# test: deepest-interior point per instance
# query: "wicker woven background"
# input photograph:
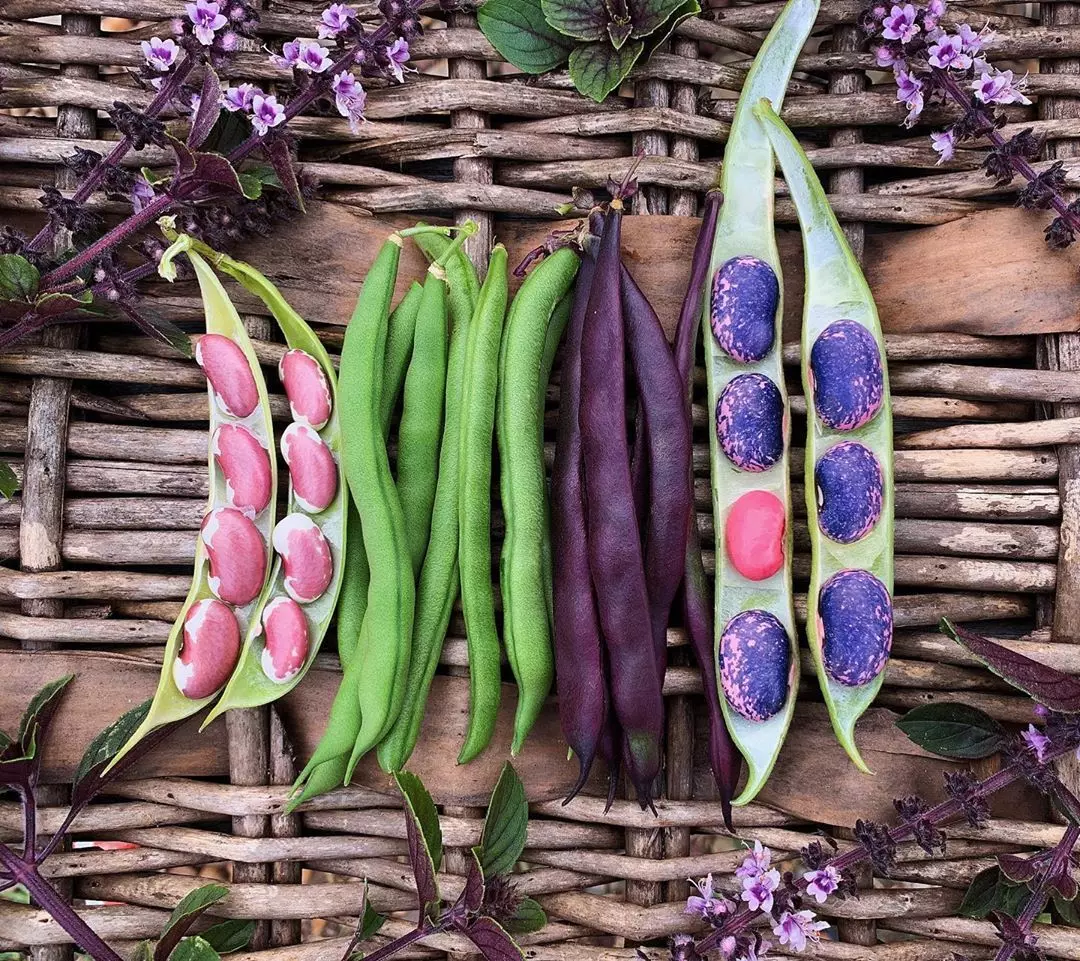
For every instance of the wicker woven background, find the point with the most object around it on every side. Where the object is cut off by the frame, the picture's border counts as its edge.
(98, 544)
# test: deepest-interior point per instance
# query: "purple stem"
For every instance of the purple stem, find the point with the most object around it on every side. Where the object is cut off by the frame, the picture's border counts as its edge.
(29, 806)
(393, 947)
(94, 177)
(988, 130)
(50, 900)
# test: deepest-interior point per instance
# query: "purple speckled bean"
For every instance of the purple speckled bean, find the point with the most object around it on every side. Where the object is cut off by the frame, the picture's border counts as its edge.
(755, 661)
(745, 295)
(850, 488)
(751, 422)
(855, 624)
(846, 375)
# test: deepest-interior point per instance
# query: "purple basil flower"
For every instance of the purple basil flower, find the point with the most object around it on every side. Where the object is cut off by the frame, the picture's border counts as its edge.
(886, 56)
(757, 892)
(710, 904)
(909, 91)
(266, 112)
(206, 18)
(798, 929)
(289, 56)
(349, 97)
(900, 24)
(997, 87)
(313, 57)
(141, 194)
(820, 884)
(239, 99)
(756, 863)
(973, 42)
(1037, 742)
(160, 54)
(935, 10)
(944, 143)
(335, 19)
(948, 54)
(398, 54)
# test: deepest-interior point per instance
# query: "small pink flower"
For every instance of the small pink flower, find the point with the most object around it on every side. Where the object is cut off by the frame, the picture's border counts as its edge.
(289, 57)
(1037, 742)
(335, 19)
(756, 863)
(948, 54)
(349, 97)
(909, 91)
(708, 902)
(998, 87)
(313, 57)
(758, 891)
(900, 24)
(798, 929)
(160, 54)
(973, 42)
(398, 55)
(944, 142)
(206, 18)
(239, 99)
(266, 112)
(820, 884)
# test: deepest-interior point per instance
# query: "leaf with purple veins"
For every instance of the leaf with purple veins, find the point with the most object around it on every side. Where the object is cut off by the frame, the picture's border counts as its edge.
(472, 895)
(280, 157)
(209, 110)
(492, 941)
(425, 840)
(1050, 687)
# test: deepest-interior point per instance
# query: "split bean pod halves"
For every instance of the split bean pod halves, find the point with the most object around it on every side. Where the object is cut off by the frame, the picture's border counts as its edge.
(756, 645)
(848, 454)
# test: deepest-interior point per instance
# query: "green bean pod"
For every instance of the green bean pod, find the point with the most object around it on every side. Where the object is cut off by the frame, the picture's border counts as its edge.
(463, 286)
(169, 703)
(399, 346)
(479, 390)
(375, 677)
(524, 567)
(756, 644)
(848, 454)
(437, 588)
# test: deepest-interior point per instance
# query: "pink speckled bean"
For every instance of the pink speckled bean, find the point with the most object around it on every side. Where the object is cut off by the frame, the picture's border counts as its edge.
(312, 468)
(226, 367)
(308, 391)
(246, 466)
(210, 649)
(287, 639)
(237, 555)
(306, 557)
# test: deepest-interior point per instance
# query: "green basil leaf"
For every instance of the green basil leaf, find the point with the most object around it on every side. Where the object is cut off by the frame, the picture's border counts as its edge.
(580, 19)
(991, 891)
(518, 30)
(503, 838)
(953, 730)
(229, 936)
(19, 278)
(598, 68)
(194, 949)
(9, 482)
(529, 917)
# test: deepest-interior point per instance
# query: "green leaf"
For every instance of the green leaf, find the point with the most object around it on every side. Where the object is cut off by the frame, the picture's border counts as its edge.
(425, 840)
(597, 68)
(229, 936)
(194, 949)
(580, 19)
(419, 800)
(648, 16)
(530, 917)
(39, 713)
(686, 9)
(518, 30)
(18, 278)
(17, 894)
(1067, 911)
(251, 184)
(144, 951)
(991, 891)
(103, 747)
(367, 924)
(953, 730)
(9, 483)
(184, 915)
(503, 838)
(153, 178)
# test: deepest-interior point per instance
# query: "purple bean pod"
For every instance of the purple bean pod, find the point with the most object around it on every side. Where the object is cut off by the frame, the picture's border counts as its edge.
(666, 432)
(579, 667)
(615, 555)
(724, 757)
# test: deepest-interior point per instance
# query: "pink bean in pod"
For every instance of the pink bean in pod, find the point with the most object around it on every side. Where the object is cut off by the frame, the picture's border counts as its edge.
(287, 643)
(305, 385)
(246, 466)
(227, 369)
(237, 554)
(306, 556)
(312, 468)
(754, 535)
(210, 649)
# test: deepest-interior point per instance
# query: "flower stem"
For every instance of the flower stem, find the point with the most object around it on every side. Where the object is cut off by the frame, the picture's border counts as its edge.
(399, 944)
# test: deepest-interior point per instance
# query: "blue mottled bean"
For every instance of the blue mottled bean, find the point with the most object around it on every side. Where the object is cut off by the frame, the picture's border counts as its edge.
(850, 485)
(750, 422)
(742, 313)
(855, 623)
(755, 661)
(846, 375)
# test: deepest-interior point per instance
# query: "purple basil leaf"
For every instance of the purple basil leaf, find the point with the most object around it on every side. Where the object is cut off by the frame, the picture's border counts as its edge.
(185, 159)
(280, 157)
(185, 914)
(647, 16)
(1066, 802)
(153, 324)
(214, 174)
(425, 840)
(492, 941)
(54, 305)
(472, 895)
(1048, 686)
(1016, 868)
(1065, 884)
(580, 19)
(1010, 928)
(209, 110)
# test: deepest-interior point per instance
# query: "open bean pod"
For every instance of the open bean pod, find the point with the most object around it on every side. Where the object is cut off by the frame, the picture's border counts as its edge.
(848, 453)
(232, 555)
(756, 642)
(295, 610)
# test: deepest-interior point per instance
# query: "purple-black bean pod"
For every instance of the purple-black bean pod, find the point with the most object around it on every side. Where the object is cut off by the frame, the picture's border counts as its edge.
(850, 488)
(855, 623)
(742, 313)
(846, 375)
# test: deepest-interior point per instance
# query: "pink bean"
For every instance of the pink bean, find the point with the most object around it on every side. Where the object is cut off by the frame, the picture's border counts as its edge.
(754, 535)
(306, 386)
(237, 555)
(306, 557)
(287, 640)
(312, 468)
(210, 649)
(246, 466)
(226, 367)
